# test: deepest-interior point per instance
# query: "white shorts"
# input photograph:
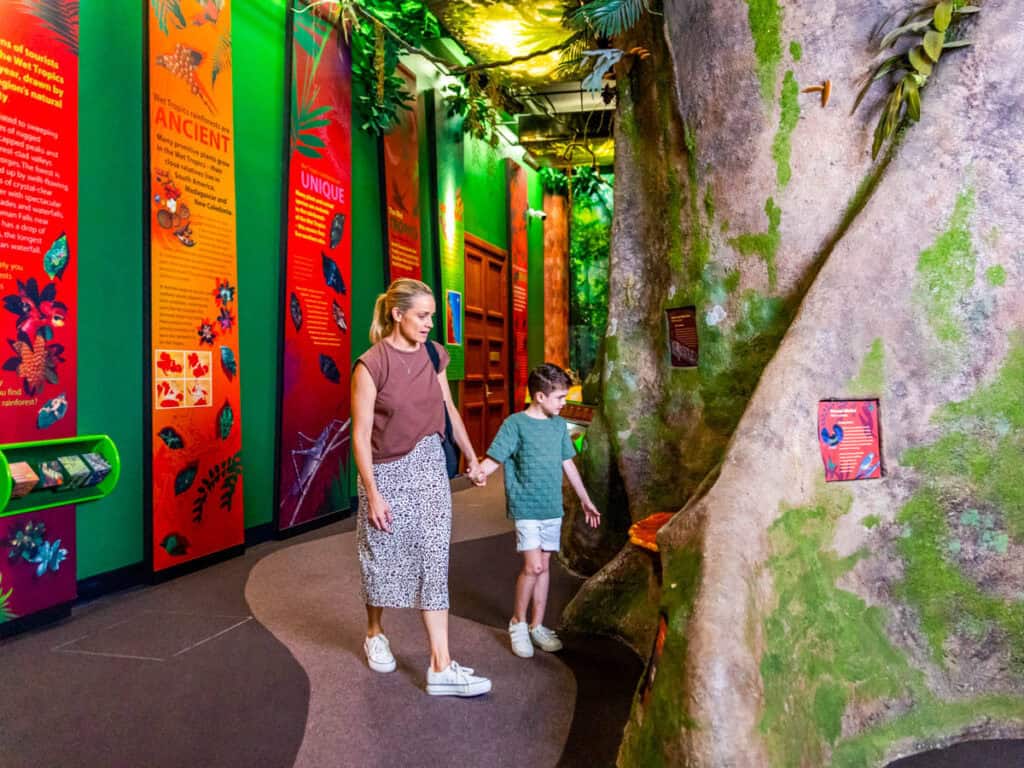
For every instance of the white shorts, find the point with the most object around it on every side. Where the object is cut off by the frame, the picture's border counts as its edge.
(539, 534)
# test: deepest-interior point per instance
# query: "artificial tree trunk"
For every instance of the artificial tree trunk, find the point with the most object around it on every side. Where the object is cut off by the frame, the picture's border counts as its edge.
(807, 625)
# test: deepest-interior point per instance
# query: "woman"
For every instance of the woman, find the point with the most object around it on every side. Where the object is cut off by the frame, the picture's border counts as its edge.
(405, 503)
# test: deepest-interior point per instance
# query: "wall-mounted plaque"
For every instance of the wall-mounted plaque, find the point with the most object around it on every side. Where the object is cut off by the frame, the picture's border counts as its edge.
(849, 439)
(682, 336)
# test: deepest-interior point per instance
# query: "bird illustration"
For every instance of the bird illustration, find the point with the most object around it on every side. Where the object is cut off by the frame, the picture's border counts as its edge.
(832, 439)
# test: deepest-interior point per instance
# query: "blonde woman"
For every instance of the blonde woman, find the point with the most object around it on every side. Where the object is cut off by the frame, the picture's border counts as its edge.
(405, 504)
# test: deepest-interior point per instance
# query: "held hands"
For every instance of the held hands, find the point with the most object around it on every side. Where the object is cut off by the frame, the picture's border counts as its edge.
(591, 513)
(379, 513)
(476, 473)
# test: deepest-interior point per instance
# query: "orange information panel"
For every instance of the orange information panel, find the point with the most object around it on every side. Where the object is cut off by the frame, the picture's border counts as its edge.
(196, 437)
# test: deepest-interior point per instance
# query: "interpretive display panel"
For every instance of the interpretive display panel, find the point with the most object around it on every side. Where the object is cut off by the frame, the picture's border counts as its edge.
(849, 439)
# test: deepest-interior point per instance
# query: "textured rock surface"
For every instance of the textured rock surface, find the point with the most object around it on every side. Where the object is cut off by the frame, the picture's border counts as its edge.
(813, 625)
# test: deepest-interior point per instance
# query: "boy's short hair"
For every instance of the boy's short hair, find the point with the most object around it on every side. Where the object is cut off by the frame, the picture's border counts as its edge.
(546, 378)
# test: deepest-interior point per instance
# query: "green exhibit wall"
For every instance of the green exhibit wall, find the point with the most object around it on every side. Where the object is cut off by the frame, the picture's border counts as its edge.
(535, 273)
(258, 71)
(111, 387)
(110, 261)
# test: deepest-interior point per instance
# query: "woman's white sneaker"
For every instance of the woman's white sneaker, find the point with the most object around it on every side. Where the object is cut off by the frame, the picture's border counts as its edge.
(456, 681)
(519, 634)
(378, 654)
(545, 639)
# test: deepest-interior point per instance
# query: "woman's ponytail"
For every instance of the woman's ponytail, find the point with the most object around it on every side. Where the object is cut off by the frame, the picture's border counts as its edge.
(382, 322)
(401, 294)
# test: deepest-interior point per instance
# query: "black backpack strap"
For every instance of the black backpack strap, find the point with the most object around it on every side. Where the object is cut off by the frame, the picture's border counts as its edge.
(434, 357)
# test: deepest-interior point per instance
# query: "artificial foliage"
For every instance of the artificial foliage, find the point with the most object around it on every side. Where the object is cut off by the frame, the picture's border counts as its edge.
(931, 32)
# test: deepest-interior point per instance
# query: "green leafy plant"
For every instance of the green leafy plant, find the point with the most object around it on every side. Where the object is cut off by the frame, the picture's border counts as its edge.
(380, 94)
(911, 68)
(607, 18)
(479, 104)
(554, 180)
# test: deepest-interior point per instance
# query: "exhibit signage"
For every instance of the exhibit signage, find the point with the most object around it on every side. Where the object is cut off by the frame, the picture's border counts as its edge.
(316, 349)
(451, 229)
(194, 382)
(682, 336)
(39, 289)
(402, 188)
(849, 439)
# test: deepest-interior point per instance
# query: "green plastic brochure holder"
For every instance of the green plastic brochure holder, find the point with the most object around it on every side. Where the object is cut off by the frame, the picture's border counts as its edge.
(46, 450)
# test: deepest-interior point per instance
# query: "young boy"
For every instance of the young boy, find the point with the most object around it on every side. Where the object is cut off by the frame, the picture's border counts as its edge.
(535, 448)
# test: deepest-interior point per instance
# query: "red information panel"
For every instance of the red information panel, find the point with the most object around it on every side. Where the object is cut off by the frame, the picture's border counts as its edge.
(849, 440)
(38, 285)
(314, 430)
(195, 382)
(519, 252)
(402, 188)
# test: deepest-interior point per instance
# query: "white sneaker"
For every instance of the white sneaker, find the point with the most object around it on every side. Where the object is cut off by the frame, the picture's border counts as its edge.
(520, 635)
(456, 681)
(378, 654)
(545, 639)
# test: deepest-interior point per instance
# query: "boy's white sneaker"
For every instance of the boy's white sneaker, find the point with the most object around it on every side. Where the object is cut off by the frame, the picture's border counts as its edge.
(454, 680)
(545, 639)
(378, 654)
(519, 633)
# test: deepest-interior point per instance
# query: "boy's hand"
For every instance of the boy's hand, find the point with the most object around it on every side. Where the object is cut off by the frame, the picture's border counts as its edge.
(476, 473)
(591, 514)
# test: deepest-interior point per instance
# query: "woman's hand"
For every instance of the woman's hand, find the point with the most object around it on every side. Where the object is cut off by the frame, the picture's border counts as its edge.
(379, 513)
(476, 473)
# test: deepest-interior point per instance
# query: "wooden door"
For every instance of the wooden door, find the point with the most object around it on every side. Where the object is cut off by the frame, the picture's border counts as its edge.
(484, 398)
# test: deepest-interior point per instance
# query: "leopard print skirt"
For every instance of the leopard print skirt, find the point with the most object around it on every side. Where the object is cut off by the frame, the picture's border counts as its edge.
(408, 568)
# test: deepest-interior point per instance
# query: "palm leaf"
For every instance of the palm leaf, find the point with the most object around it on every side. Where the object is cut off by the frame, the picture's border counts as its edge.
(59, 16)
(221, 57)
(609, 18)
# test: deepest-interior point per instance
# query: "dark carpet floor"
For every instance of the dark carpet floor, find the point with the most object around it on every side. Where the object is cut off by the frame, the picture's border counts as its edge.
(181, 675)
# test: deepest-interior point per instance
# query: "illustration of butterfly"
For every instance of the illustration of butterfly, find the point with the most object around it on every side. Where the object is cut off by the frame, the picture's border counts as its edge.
(49, 555)
(832, 439)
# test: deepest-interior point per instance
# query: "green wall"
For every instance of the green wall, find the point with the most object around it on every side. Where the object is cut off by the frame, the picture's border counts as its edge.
(112, 125)
(110, 274)
(484, 193)
(535, 273)
(258, 72)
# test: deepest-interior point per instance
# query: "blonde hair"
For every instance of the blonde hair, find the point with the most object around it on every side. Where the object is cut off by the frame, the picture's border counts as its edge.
(401, 294)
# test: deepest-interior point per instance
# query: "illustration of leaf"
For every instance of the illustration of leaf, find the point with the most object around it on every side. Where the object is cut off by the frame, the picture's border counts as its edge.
(59, 16)
(312, 140)
(56, 259)
(225, 420)
(295, 308)
(337, 229)
(339, 316)
(185, 478)
(329, 369)
(332, 275)
(228, 362)
(171, 438)
(302, 150)
(175, 544)
(221, 58)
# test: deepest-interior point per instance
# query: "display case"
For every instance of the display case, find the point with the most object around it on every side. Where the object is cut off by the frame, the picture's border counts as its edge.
(56, 473)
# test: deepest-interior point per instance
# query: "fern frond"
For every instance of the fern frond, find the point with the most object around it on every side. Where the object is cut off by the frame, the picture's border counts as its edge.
(59, 16)
(221, 57)
(609, 18)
